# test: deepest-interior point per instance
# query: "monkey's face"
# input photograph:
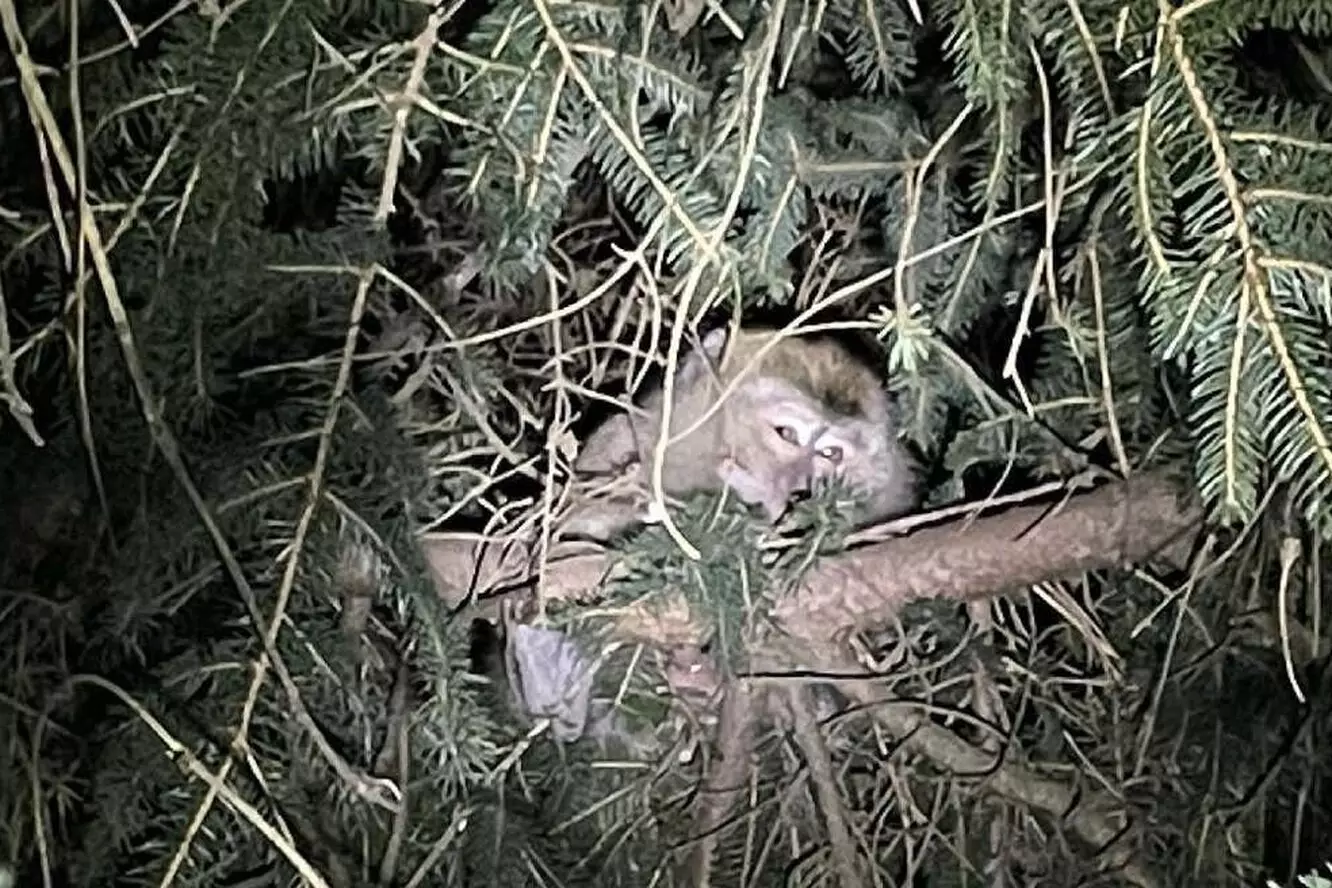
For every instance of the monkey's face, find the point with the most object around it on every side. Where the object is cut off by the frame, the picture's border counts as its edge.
(782, 442)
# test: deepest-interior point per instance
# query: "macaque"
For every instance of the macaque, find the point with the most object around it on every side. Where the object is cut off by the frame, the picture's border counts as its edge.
(803, 410)
(790, 411)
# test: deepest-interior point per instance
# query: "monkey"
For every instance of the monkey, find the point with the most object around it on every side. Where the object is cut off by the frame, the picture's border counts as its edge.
(789, 412)
(802, 409)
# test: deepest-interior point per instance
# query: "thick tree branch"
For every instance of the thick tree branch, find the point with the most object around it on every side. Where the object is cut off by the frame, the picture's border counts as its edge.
(964, 559)
(1112, 526)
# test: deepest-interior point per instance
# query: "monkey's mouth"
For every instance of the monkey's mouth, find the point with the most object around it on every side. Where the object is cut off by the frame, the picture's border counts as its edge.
(772, 494)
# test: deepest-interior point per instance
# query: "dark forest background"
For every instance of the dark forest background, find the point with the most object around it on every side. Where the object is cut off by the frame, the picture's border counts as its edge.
(285, 283)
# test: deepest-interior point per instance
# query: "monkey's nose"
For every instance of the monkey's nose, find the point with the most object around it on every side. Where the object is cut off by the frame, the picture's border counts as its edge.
(803, 488)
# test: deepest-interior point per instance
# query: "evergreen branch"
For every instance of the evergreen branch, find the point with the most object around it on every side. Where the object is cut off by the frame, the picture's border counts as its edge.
(983, 39)
(166, 441)
(556, 39)
(877, 44)
(671, 83)
(912, 213)
(274, 625)
(403, 103)
(1254, 283)
(185, 759)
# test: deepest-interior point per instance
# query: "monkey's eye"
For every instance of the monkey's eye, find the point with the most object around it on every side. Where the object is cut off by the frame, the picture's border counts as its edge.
(786, 433)
(831, 454)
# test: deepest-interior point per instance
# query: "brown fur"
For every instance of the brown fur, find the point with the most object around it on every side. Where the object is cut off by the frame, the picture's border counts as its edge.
(813, 381)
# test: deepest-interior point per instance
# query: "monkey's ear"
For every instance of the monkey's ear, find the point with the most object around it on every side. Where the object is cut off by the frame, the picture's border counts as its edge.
(702, 360)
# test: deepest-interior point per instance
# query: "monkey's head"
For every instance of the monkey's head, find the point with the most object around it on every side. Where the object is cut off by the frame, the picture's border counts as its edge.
(804, 410)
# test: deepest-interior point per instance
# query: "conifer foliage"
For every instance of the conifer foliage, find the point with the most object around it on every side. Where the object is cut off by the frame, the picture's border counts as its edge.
(286, 283)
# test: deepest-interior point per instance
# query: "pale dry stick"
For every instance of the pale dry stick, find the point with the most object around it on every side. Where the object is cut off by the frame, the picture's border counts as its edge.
(1142, 163)
(539, 320)
(1270, 263)
(1168, 598)
(478, 416)
(778, 210)
(19, 408)
(288, 580)
(517, 95)
(833, 257)
(562, 412)
(181, 755)
(543, 137)
(1053, 200)
(1103, 361)
(1164, 674)
(913, 210)
(363, 74)
(798, 34)
(461, 813)
(127, 218)
(78, 292)
(362, 68)
(993, 182)
(1310, 145)
(655, 319)
(1045, 258)
(113, 49)
(634, 349)
(1290, 554)
(483, 67)
(475, 493)
(206, 803)
(293, 552)
(1093, 54)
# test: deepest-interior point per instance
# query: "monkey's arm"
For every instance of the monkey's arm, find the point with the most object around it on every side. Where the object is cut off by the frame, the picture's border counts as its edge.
(601, 519)
(597, 513)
